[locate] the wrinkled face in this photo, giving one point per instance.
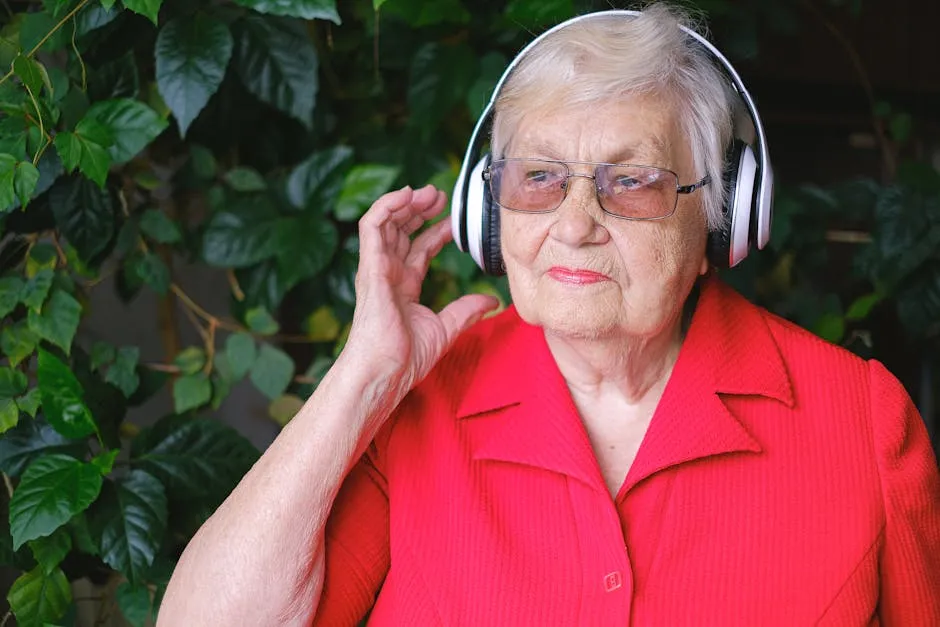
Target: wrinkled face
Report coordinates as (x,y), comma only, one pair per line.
(582,273)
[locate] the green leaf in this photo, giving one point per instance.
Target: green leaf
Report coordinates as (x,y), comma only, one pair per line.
(316,181)
(102,354)
(830,326)
(132,517)
(42,256)
(241,236)
(191,56)
(52,490)
(304,9)
(363,185)
(284,408)
(441,77)
(190,360)
(52,549)
(58,321)
(241,352)
(12,383)
(160,227)
(277,62)
(86,149)
(29,402)
(38,599)
(243,179)
(7,175)
(900,125)
(85,215)
(63,398)
(24,182)
(29,72)
(862,306)
(377,4)
(105,461)
(272,371)
(539,13)
(94,17)
(422,13)
(150,269)
(10,290)
(195,458)
(123,372)
(30,439)
(147,8)
(305,246)
(134,602)
(9,414)
(37,289)
(492,66)
(69,147)
(190,392)
(260,321)
(132,124)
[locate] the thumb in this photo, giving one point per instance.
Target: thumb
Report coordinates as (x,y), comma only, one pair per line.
(461,314)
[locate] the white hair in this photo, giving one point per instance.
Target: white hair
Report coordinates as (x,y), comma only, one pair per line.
(609,57)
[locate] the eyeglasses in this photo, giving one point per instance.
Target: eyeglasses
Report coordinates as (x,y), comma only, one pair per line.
(633,192)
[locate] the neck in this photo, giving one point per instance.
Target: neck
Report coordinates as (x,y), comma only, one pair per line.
(630,368)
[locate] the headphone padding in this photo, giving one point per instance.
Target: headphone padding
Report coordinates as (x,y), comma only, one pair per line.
(492,247)
(473,213)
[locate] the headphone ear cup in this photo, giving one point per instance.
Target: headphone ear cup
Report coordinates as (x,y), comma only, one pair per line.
(492,247)
(729,245)
(474,214)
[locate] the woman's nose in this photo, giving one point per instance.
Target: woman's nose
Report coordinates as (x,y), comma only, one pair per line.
(578,216)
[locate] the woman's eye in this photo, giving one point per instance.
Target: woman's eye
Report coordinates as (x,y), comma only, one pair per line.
(627,183)
(537,176)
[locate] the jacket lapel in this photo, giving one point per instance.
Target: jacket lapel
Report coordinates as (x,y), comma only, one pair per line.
(517,408)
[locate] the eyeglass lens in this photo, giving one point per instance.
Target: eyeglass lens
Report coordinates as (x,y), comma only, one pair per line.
(638,192)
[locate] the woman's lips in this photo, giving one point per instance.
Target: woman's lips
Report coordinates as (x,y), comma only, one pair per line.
(575,276)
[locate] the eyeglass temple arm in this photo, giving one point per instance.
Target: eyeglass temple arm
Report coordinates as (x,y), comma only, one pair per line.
(688,189)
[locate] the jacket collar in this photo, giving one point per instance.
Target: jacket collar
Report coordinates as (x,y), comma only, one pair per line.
(519,403)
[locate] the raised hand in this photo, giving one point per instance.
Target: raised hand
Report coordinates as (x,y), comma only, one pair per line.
(390,327)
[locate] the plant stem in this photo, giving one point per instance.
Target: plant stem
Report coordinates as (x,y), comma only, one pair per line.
(6,617)
(52,32)
(8,484)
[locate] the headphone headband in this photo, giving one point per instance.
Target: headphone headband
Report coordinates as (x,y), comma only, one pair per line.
(763,184)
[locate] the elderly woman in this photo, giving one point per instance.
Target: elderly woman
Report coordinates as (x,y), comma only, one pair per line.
(630,442)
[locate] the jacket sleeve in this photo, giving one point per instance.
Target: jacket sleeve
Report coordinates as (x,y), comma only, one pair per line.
(357,545)
(910,486)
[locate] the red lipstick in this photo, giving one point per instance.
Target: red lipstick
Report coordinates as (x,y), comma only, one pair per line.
(576,277)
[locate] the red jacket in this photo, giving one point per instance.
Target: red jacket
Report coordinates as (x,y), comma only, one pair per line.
(782,481)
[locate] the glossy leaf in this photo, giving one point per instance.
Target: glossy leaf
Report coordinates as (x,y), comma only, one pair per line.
(156,225)
(102,354)
(42,256)
(191,391)
(52,490)
(36,290)
(244,179)
(104,462)
(195,458)
(315,182)
(277,62)
(305,9)
(29,403)
(63,398)
(50,550)
(11,288)
(241,236)
(241,353)
(12,382)
(38,599)
(29,73)
(122,374)
(362,186)
(134,602)
(86,149)
(131,520)
(9,414)
(30,439)
(58,321)
(272,371)
(191,56)
(190,360)
(85,215)
(24,182)
(260,321)
(7,177)
(305,245)
(131,122)
(147,8)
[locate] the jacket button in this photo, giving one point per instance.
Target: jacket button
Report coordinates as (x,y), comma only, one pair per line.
(613,581)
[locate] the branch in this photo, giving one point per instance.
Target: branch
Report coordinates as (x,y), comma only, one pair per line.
(8,484)
(886,151)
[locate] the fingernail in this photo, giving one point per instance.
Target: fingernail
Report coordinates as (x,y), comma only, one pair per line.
(405,187)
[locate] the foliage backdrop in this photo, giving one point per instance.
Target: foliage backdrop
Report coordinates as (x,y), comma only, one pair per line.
(143,135)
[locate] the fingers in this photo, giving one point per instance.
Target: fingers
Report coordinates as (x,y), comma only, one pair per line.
(427,245)
(461,314)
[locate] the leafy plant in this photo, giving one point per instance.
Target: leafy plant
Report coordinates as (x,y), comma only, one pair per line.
(141,136)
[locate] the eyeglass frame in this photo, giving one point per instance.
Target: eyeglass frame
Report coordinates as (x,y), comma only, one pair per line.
(680,189)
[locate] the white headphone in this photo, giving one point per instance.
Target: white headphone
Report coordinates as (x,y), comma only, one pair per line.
(748,176)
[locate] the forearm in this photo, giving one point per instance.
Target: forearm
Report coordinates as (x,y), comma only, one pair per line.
(259,559)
